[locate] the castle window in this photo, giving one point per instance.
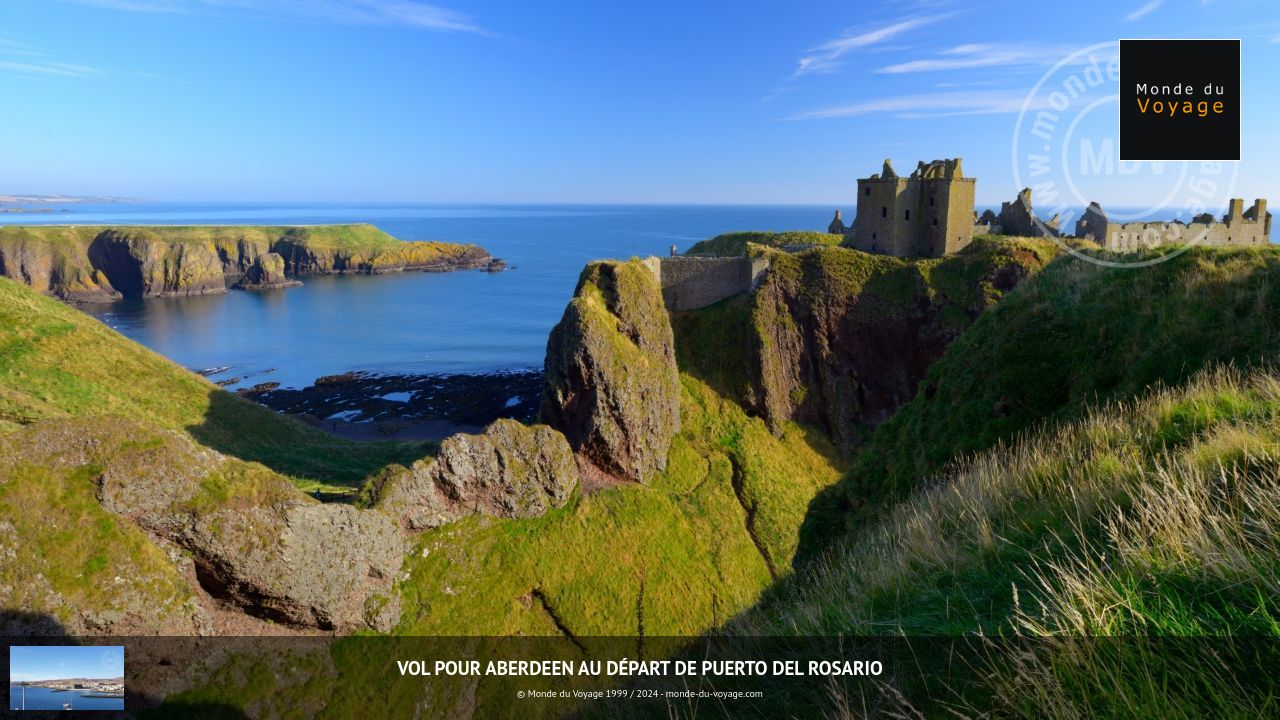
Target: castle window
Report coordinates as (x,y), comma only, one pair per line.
(884,211)
(867,191)
(935,222)
(873,237)
(931,204)
(907,216)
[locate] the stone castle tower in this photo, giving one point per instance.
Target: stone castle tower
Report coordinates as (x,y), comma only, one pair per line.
(928,214)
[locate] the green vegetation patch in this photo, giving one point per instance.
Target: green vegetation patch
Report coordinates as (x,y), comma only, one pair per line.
(1074,335)
(58,362)
(675,557)
(61,553)
(735,243)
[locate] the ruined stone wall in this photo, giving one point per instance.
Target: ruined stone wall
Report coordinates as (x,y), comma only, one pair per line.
(1238,227)
(689,283)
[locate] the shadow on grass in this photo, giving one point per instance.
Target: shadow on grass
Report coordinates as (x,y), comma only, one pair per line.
(243,429)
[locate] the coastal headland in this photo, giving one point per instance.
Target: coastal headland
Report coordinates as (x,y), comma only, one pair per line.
(90,263)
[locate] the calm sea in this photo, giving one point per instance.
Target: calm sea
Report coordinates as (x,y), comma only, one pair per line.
(38,698)
(468,321)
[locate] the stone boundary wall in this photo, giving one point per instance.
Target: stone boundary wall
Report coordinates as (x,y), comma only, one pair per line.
(690,282)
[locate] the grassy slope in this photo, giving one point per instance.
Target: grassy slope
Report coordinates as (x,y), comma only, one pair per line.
(56,362)
(735,243)
(1155,516)
(1151,517)
(676,551)
(1076,335)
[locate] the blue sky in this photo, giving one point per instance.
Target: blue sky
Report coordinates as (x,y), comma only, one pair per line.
(568,101)
(58,662)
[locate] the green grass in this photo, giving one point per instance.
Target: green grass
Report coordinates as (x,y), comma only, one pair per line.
(58,362)
(56,541)
(674,557)
(735,243)
(356,237)
(1154,517)
(1073,336)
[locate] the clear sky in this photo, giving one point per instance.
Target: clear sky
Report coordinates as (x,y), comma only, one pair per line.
(58,662)
(568,101)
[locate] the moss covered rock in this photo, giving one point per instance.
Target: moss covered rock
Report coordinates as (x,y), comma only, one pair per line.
(511,470)
(612,386)
(250,538)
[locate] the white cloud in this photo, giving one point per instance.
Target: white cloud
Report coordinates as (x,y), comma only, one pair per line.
(826,57)
(49,68)
(400,13)
(928,105)
(1144,11)
(980,55)
(34,62)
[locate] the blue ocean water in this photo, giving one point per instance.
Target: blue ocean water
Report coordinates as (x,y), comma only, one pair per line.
(468,321)
(38,698)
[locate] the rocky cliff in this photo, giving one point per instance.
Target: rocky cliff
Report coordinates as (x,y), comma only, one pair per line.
(85,263)
(612,386)
(511,470)
(266,273)
(840,339)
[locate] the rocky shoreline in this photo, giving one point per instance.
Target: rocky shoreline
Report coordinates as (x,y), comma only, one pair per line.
(368,406)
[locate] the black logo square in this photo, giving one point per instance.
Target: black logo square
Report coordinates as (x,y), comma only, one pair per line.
(1179,99)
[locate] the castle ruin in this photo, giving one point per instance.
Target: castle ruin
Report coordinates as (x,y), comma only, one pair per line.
(1018,219)
(1237,227)
(931,214)
(928,214)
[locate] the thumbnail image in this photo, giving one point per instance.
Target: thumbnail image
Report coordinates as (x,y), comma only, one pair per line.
(66,677)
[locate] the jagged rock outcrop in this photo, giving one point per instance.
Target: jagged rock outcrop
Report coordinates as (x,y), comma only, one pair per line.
(86,263)
(266,273)
(253,539)
(511,470)
(612,386)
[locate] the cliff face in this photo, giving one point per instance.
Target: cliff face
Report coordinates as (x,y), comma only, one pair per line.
(844,339)
(841,339)
(96,263)
(612,386)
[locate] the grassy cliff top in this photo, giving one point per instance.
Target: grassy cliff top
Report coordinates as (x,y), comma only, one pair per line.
(361,237)
(735,243)
(57,362)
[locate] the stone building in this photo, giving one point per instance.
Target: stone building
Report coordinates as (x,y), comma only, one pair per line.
(1017,218)
(1237,227)
(928,214)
